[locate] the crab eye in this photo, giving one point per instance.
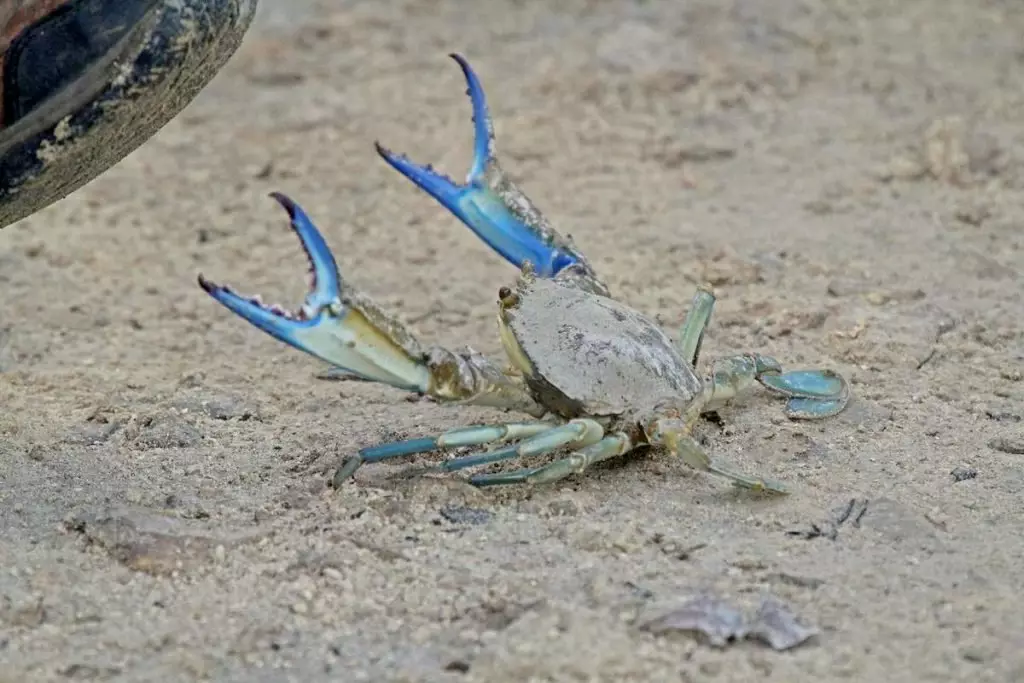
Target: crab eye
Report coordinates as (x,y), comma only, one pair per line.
(508,298)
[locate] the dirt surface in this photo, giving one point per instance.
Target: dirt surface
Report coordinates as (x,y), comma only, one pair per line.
(847,174)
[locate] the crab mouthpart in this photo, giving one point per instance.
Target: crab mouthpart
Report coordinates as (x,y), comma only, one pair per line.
(324,287)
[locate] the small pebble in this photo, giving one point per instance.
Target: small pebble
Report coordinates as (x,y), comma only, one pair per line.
(963,473)
(1012,444)
(564,507)
(710,668)
(972,653)
(1013,374)
(938,518)
(465,515)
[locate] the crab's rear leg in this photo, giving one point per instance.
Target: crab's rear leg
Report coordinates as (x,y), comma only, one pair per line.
(812,394)
(494,208)
(674,431)
(340,325)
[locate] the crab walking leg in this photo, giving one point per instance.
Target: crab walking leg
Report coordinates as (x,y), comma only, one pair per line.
(493,207)
(342,326)
(609,447)
(674,433)
(457,438)
(691,334)
(576,433)
(813,394)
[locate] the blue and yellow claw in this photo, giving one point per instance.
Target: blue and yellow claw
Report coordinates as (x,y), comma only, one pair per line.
(333,323)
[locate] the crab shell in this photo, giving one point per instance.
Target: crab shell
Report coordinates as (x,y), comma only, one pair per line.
(582,354)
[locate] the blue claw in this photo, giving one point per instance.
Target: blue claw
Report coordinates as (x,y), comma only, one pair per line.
(326,287)
(274,320)
(488,203)
(483,127)
(329,325)
(813,394)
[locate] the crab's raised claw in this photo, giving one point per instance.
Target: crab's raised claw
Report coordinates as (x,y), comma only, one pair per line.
(489,203)
(813,394)
(339,324)
(330,325)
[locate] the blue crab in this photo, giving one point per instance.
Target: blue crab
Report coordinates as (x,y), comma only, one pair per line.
(599,378)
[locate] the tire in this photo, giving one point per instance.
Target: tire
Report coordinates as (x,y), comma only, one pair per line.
(166,51)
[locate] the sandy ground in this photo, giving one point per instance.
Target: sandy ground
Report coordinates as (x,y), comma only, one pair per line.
(847,174)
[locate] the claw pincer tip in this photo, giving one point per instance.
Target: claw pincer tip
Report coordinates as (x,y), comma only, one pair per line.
(287,202)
